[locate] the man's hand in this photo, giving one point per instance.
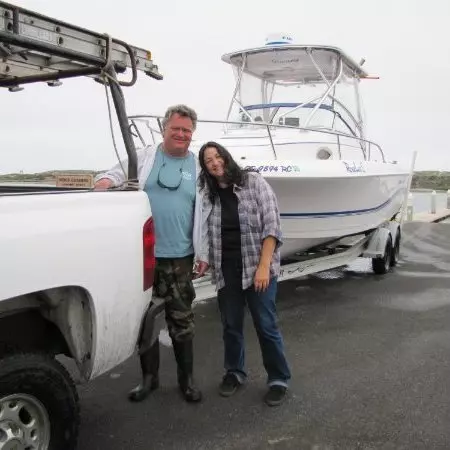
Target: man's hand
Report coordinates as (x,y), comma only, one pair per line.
(200,269)
(103,184)
(262,278)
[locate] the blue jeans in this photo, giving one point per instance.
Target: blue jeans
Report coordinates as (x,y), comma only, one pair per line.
(232,299)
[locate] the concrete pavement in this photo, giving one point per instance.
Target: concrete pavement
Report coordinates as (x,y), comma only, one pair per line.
(370,358)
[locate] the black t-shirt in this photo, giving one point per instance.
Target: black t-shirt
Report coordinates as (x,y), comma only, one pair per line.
(231,231)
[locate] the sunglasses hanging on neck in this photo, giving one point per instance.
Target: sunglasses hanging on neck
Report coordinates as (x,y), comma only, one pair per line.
(167,186)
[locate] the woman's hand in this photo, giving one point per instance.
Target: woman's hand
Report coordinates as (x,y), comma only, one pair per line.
(262,278)
(262,275)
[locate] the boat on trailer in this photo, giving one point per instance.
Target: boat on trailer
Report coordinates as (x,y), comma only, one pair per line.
(296,116)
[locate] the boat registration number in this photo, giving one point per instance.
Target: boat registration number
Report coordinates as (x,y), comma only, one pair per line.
(273,168)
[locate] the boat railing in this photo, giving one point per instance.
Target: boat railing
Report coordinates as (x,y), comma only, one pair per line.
(366,146)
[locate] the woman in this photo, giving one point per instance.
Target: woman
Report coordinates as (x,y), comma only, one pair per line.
(244,238)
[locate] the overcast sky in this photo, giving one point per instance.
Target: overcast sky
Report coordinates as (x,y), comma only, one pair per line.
(405,42)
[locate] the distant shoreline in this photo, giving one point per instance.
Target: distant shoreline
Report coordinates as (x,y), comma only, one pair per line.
(425,190)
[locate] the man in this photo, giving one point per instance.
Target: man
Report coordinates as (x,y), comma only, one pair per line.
(168,174)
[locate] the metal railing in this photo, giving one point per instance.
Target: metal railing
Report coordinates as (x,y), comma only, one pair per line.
(360,143)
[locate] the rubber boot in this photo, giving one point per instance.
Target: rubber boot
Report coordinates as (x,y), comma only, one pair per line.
(184,355)
(150,377)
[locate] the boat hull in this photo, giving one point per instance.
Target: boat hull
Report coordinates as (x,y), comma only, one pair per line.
(323,200)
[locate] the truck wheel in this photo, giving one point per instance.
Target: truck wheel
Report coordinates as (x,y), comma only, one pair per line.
(382,265)
(395,255)
(39,407)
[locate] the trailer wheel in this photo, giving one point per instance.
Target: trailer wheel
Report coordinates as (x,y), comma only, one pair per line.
(395,256)
(38,404)
(382,264)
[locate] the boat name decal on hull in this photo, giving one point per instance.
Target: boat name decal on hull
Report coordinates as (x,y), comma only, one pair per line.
(273,168)
(353,167)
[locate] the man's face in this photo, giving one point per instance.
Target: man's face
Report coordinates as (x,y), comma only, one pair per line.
(178,134)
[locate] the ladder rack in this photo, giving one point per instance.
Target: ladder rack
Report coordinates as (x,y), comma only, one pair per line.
(37,48)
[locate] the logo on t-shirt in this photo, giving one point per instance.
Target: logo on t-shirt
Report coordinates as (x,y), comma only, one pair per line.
(186,175)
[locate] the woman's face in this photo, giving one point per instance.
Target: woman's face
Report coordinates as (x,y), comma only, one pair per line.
(215,165)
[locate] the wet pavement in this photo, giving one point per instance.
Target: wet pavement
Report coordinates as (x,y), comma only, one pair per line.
(370,358)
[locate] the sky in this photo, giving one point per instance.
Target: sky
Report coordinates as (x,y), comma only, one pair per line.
(404,42)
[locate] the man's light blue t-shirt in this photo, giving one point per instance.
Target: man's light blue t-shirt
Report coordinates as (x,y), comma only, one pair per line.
(172,209)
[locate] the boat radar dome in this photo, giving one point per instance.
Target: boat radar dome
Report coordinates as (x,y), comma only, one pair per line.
(279,39)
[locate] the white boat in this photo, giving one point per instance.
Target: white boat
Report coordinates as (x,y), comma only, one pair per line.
(296,116)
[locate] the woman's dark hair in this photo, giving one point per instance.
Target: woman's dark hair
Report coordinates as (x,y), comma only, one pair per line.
(233,173)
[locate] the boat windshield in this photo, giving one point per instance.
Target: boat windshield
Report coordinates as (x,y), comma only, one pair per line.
(294,115)
(290,99)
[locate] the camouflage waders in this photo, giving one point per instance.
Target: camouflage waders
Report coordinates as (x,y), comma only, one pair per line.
(173,282)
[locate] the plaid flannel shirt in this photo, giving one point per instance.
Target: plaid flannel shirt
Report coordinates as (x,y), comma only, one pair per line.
(258,217)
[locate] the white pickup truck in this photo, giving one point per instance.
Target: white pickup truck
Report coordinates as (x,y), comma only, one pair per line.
(76,266)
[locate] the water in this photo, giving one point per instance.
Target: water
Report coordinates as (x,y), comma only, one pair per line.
(422,201)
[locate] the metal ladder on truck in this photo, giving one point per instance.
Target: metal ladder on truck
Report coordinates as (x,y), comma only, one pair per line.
(35,48)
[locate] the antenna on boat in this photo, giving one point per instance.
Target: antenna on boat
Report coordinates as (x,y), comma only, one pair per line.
(279,39)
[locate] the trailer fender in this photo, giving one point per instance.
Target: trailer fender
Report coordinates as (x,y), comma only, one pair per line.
(377,243)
